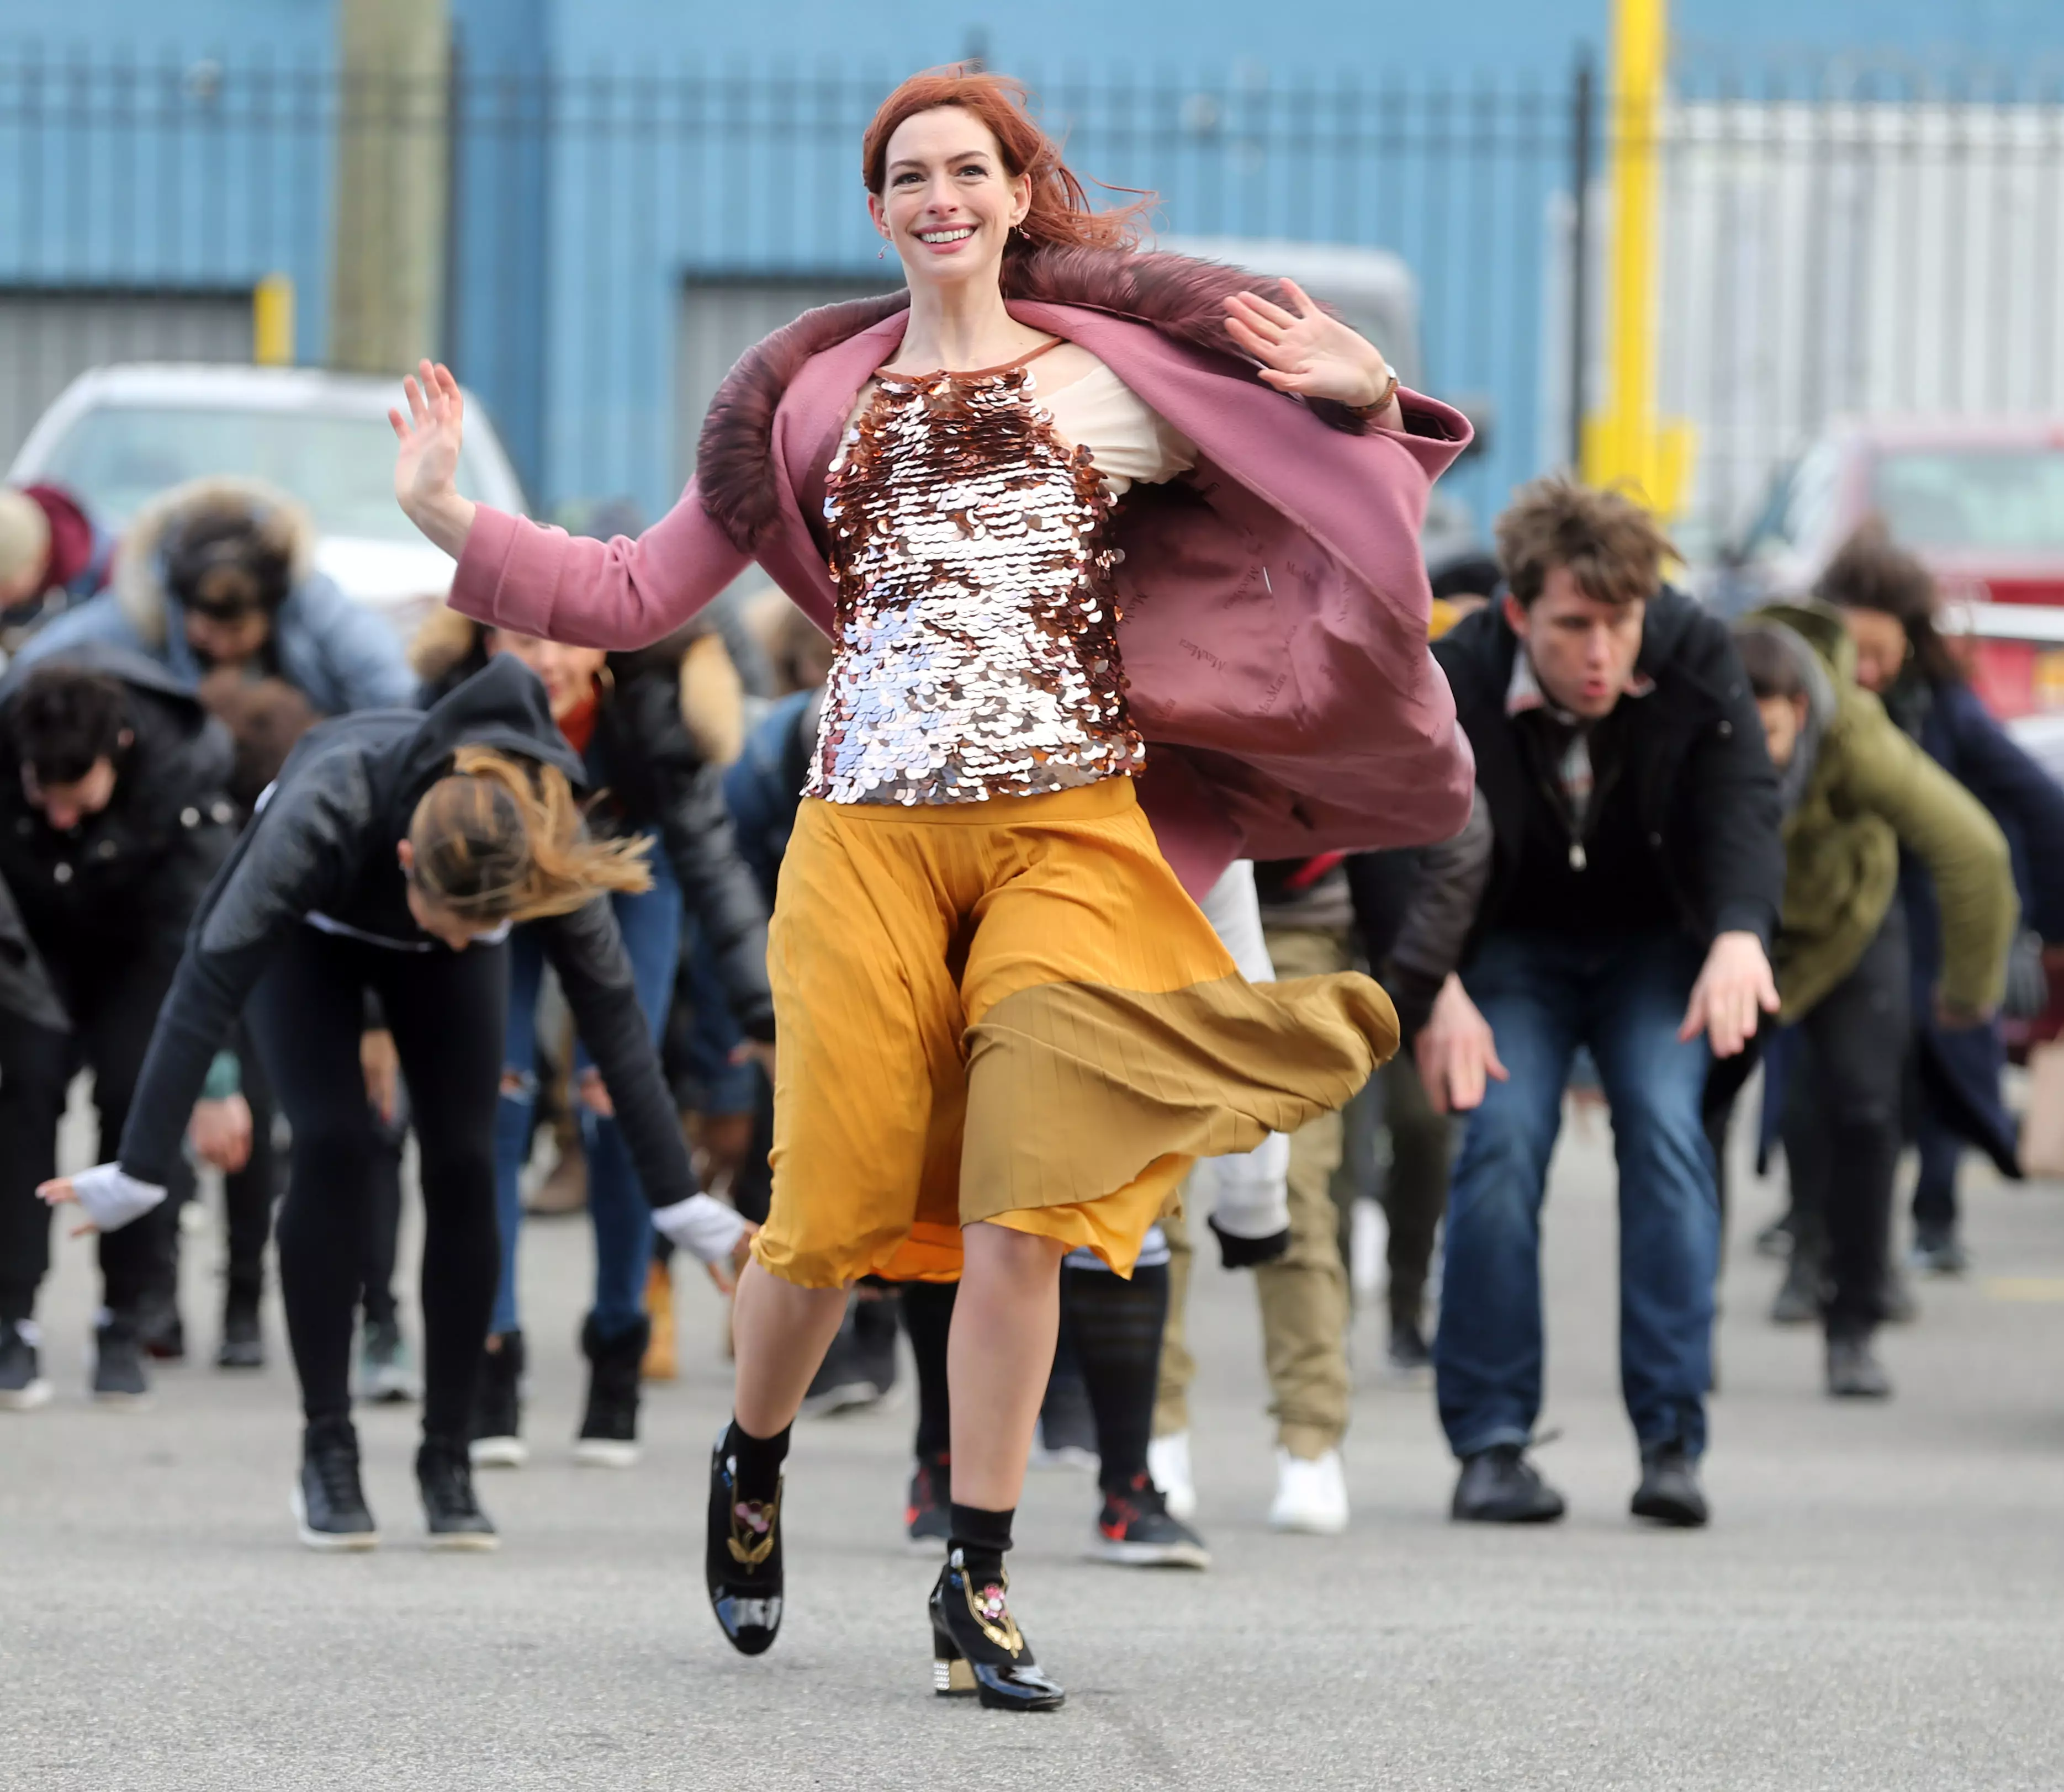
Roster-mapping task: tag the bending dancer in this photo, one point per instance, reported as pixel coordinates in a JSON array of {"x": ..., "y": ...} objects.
[
  {"x": 1004, "y": 1030},
  {"x": 393, "y": 842},
  {"x": 622, "y": 714}
]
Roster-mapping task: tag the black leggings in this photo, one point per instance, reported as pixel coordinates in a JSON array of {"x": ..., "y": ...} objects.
[
  {"x": 113, "y": 1001},
  {"x": 1110, "y": 1326},
  {"x": 448, "y": 1012},
  {"x": 1842, "y": 1124}
]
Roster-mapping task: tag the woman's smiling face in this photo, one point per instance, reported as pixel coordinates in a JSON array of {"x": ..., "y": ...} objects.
[{"x": 948, "y": 202}]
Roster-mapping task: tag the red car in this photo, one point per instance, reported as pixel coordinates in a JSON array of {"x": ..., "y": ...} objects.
[{"x": 1980, "y": 499}]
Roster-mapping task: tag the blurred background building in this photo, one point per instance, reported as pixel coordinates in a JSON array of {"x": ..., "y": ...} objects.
[{"x": 1823, "y": 207}]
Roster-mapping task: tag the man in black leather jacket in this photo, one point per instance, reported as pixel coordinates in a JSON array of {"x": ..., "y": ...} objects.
[{"x": 114, "y": 815}]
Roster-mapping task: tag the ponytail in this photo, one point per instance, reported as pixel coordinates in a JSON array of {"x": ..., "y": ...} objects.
[{"x": 499, "y": 839}]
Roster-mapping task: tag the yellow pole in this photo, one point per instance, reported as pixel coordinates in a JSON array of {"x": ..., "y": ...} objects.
[
  {"x": 272, "y": 321},
  {"x": 1625, "y": 442}
]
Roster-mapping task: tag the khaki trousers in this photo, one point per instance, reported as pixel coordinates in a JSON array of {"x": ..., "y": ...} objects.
[{"x": 1304, "y": 1294}]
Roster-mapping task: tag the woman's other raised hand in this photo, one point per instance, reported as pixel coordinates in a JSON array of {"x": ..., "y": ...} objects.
[
  {"x": 1309, "y": 353},
  {"x": 426, "y": 465}
]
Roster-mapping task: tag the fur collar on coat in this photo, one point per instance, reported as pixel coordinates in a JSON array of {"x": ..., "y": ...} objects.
[{"x": 1182, "y": 298}]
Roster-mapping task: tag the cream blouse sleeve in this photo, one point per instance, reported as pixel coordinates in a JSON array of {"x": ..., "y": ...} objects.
[{"x": 1131, "y": 444}]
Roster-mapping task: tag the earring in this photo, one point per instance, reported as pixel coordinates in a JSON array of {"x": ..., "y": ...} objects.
[{"x": 881, "y": 254}]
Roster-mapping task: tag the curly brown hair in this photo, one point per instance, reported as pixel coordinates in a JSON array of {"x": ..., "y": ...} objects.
[{"x": 1612, "y": 547}]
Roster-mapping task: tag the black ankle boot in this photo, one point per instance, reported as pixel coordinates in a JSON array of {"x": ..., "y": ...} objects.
[
  {"x": 742, "y": 1560},
  {"x": 443, "y": 1473},
  {"x": 243, "y": 1345},
  {"x": 608, "y": 1426},
  {"x": 977, "y": 1648}
]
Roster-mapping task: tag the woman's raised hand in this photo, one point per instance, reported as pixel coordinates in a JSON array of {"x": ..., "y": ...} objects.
[
  {"x": 426, "y": 466},
  {"x": 1309, "y": 352}
]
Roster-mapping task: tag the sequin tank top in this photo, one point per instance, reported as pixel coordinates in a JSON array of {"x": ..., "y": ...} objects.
[{"x": 976, "y": 651}]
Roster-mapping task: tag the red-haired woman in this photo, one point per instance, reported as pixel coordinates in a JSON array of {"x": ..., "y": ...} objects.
[{"x": 1078, "y": 519}]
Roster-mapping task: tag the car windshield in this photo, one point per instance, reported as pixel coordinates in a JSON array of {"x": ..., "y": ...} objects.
[
  {"x": 119, "y": 457},
  {"x": 2006, "y": 499}
]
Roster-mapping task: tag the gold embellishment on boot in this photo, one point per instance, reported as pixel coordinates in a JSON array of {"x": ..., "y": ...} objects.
[
  {"x": 751, "y": 1554},
  {"x": 992, "y": 1615}
]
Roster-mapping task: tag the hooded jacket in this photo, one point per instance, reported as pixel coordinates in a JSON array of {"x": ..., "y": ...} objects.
[
  {"x": 338, "y": 653},
  {"x": 323, "y": 846},
  {"x": 651, "y": 770},
  {"x": 1274, "y": 598},
  {"x": 1861, "y": 789},
  {"x": 128, "y": 877}
]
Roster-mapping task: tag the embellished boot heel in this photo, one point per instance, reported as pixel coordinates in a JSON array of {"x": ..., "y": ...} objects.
[
  {"x": 977, "y": 1648},
  {"x": 742, "y": 1566}
]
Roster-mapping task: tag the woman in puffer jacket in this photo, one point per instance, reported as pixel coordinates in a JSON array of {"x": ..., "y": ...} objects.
[{"x": 624, "y": 713}]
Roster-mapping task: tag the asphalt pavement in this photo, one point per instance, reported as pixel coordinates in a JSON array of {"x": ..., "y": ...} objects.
[{"x": 1877, "y": 1605}]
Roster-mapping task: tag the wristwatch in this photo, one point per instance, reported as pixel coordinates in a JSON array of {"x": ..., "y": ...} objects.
[{"x": 1376, "y": 406}]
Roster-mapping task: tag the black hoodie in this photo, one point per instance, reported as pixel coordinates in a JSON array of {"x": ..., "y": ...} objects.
[
  {"x": 323, "y": 844},
  {"x": 132, "y": 873}
]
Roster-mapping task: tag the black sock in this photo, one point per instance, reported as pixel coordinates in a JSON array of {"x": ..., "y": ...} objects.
[
  {"x": 928, "y": 1316},
  {"x": 759, "y": 1461},
  {"x": 1114, "y": 1327},
  {"x": 982, "y": 1537}
]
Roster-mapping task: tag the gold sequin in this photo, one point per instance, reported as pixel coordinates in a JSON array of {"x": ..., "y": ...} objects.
[{"x": 976, "y": 643}]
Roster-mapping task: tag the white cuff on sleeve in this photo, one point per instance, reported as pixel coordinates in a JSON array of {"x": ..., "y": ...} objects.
[
  {"x": 703, "y": 1226},
  {"x": 110, "y": 1199},
  {"x": 1252, "y": 1190}
]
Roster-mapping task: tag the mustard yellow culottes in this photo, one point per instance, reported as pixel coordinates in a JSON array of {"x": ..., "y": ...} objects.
[{"x": 1010, "y": 1011}]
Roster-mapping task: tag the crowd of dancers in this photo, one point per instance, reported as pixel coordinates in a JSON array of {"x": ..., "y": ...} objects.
[{"x": 1105, "y": 797}]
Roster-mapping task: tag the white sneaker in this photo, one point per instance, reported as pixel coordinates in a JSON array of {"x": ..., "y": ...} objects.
[
  {"x": 1310, "y": 1497},
  {"x": 1168, "y": 1465}
]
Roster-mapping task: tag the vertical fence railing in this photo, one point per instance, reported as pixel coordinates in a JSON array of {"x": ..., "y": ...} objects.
[{"x": 1874, "y": 243}]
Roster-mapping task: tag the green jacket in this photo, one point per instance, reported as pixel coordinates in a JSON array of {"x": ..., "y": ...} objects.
[{"x": 1867, "y": 791}]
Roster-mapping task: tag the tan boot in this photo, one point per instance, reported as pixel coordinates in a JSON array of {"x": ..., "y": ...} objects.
[
  {"x": 564, "y": 1191},
  {"x": 662, "y": 1363}
]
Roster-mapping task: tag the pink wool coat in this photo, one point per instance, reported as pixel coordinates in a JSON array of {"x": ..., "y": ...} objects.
[{"x": 1274, "y": 601}]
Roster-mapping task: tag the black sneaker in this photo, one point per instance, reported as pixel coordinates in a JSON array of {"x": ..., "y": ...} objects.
[
  {"x": 243, "y": 1345},
  {"x": 444, "y": 1475},
  {"x": 330, "y": 1506},
  {"x": 22, "y": 1388},
  {"x": 1670, "y": 1492},
  {"x": 860, "y": 1368},
  {"x": 609, "y": 1427},
  {"x": 497, "y": 1407},
  {"x": 1067, "y": 1436},
  {"x": 1854, "y": 1372},
  {"x": 977, "y": 1648},
  {"x": 1135, "y": 1530},
  {"x": 1499, "y": 1486},
  {"x": 1938, "y": 1251},
  {"x": 742, "y": 1558},
  {"x": 119, "y": 1379},
  {"x": 159, "y": 1327},
  {"x": 927, "y": 1516},
  {"x": 1407, "y": 1359}
]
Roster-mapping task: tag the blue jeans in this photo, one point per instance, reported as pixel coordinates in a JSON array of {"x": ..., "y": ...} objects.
[
  {"x": 616, "y": 1205},
  {"x": 1544, "y": 996}
]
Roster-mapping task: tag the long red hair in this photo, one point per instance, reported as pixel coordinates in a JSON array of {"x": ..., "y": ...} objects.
[{"x": 1061, "y": 213}]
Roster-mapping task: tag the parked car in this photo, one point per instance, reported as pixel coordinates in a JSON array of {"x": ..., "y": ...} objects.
[
  {"x": 1980, "y": 499},
  {"x": 117, "y": 435}
]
